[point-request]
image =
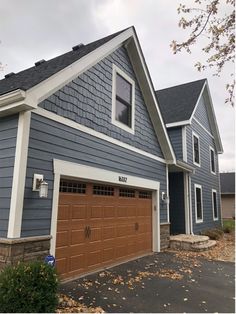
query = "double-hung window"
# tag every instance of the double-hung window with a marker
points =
(214, 205)
(198, 203)
(212, 160)
(123, 100)
(196, 150)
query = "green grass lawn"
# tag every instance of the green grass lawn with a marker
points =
(228, 225)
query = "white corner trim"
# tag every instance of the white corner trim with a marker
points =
(190, 205)
(167, 192)
(46, 88)
(197, 136)
(195, 199)
(212, 199)
(199, 123)
(186, 203)
(179, 123)
(55, 117)
(184, 143)
(79, 171)
(211, 149)
(19, 174)
(116, 70)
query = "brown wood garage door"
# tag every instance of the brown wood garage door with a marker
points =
(100, 225)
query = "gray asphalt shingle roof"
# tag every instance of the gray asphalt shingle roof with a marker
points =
(227, 182)
(32, 76)
(178, 102)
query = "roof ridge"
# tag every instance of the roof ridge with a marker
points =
(159, 90)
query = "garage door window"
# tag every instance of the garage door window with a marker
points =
(145, 194)
(127, 193)
(72, 187)
(103, 190)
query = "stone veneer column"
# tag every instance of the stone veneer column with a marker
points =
(165, 235)
(23, 249)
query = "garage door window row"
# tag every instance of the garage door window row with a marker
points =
(68, 186)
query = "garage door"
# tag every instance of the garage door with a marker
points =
(100, 225)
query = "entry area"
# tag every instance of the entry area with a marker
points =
(99, 225)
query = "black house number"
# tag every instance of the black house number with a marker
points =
(122, 179)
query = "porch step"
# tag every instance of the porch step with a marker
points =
(204, 246)
(191, 242)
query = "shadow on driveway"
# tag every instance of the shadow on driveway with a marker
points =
(159, 283)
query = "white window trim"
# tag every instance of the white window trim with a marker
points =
(212, 198)
(195, 163)
(115, 71)
(195, 199)
(78, 171)
(210, 150)
(184, 143)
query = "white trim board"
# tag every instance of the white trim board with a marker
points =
(78, 171)
(198, 186)
(179, 123)
(19, 175)
(55, 117)
(184, 143)
(116, 70)
(217, 207)
(199, 123)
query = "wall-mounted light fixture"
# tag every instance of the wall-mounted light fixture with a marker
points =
(39, 185)
(165, 197)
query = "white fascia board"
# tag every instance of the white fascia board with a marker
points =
(46, 88)
(145, 83)
(198, 100)
(179, 123)
(12, 97)
(211, 116)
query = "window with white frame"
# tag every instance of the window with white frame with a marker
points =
(196, 150)
(198, 203)
(214, 205)
(212, 160)
(123, 100)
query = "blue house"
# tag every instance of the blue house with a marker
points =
(95, 167)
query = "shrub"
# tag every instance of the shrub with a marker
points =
(228, 225)
(29, 288)
(213, 234)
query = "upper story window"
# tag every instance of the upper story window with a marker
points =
(198, 203)
(214, 205)
(196, 150)
(123, 94)
(212, 161)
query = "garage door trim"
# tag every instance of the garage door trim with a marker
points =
(79, 171)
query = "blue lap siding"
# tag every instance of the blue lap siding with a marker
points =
(175, 135)
(49, 140)
(8, 135)
(204, 177)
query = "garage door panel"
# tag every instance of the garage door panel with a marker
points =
(120, 228)
(77, 262)
(77, 236)
(63, 212)
(109, 212)
(79, 212)
(62, 238)
(108, 232)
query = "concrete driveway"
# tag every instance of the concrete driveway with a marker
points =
(161, 282)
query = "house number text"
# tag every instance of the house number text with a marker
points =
(122, 179)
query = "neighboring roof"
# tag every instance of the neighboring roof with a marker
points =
(227, 182)
(32, 76)
(177, 103)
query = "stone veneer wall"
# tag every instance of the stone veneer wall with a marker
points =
(23, 249)
(165, 235)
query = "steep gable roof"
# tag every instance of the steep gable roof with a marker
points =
(227, 182)
(63, 69)
(30, 77)
(178, 102)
